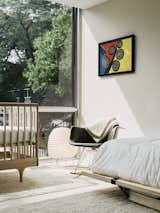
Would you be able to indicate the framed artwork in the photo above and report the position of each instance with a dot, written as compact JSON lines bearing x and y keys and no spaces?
{"x":117,"y":56}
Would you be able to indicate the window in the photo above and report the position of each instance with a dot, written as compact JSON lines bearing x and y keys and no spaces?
{"x":37,"y":39}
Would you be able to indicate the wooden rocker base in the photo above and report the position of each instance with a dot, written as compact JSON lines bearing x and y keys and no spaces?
{"x":138,"y":193}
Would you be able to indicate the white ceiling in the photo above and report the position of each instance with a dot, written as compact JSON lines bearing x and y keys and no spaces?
{"x":83,"y":4}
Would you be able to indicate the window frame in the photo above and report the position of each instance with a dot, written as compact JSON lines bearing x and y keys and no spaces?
{"x":74,"y":55}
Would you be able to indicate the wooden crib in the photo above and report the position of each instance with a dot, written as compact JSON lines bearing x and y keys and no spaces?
{"x":18,"y":136}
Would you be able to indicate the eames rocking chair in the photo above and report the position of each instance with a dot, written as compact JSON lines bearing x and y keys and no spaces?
{"x":81,"y":138}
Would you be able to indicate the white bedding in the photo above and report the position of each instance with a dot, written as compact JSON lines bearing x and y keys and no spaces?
{"x":14,"y":134}
{"x":133,"y":159}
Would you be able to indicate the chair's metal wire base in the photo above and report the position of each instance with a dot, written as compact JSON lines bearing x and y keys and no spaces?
{"x":80,"y":159}
{"x":81,"y":151}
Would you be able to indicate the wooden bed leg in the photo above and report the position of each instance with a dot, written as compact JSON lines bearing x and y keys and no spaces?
{"x":21,"y":170}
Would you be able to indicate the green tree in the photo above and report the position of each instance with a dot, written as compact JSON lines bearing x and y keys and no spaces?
{"x":52,"y":58}
{"x":21,"y":22}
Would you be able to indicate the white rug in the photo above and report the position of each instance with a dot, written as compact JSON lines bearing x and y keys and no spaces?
{"x":55,"y":190}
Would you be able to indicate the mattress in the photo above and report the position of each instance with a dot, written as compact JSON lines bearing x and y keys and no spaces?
{"x":133,"y":159}
{"x":15,"y":134}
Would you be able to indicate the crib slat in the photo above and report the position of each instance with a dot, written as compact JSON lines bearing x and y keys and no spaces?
{"x":37,"y":132}
{"x":30,"y":131}
{"x":24,"y":132}
{"x":4,"y":133}
{"x":18,"y":145}
{"x":34,"y":131}
{"x":11,"y":132}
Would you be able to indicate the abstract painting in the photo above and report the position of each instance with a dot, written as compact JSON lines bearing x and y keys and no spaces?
{"x":117,"y":56}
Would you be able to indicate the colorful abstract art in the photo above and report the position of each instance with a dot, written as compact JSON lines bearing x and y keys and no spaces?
{"x":117,"y":56}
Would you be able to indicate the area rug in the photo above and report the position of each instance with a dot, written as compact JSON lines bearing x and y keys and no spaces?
{"x":54,"y":190}
{"x":99,"y":201}
{"x":43,"y":176}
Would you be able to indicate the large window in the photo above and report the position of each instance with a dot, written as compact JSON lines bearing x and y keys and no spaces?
{"x":36,"y":60}
{"x":36,"y":52}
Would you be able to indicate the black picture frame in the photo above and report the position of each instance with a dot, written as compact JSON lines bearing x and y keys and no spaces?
{"x":111,"y":56}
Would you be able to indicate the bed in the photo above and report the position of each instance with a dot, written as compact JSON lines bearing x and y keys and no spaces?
{"x":132,"y":164}
{"x":18,"y":136}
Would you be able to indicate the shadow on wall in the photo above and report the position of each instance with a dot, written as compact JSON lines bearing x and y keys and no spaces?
{"x":134,"y":98}
{"x":111,"y":103}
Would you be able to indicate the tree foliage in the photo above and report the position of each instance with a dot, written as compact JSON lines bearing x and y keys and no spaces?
{"x":52,"y":56}
{"x":26,"y":31}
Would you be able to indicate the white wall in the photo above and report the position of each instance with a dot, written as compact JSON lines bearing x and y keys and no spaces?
{"x":133,"y":98}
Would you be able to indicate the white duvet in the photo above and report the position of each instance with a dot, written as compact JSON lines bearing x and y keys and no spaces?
{"x":134,"y":159}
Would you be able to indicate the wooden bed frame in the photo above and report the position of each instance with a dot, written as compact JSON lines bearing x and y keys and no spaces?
{"x":138,"y":193}
{"x":23,"y":152}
